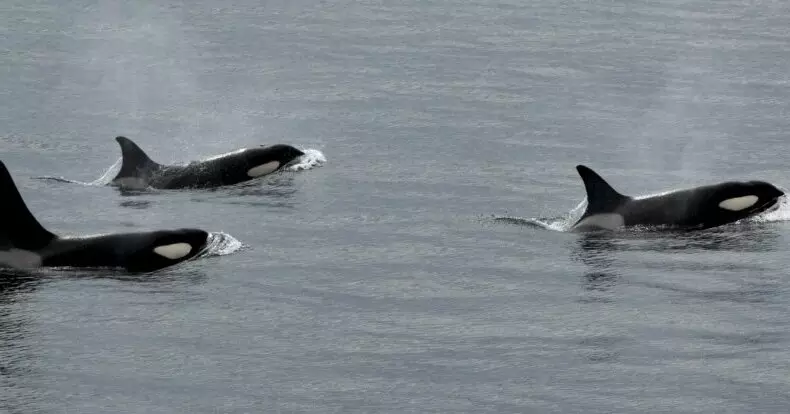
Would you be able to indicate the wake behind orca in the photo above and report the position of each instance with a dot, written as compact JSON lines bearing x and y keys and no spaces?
{"x":139,"y":171}
{"x":692,"y":209}
{"x":25,"y":243}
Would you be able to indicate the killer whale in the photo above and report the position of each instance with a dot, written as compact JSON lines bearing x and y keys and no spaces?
{"x":26,"y":244}
{"x":139,"y":171}
{"x":693,"y":209}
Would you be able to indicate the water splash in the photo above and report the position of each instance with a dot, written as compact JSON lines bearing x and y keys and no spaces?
{"x":109,"y":174}
{"x":312,"y":158}
{"x":104,"y":179}
{"x":562,"y":223}
{"x":781,"y":212}
{"x":221,"y":244}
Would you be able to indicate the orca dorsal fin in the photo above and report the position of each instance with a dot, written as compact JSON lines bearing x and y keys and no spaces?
{"x":134,"y":161}
{"x":601,"y":197}
{"x":20,"y":229}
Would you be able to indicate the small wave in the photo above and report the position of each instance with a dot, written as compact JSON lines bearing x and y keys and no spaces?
{"x":555,"y":224}
{"x":561,"y":223}
{"x":59,"y":179}
{"x":101,"y":181}
{"x":312,"y":158}
{"x":108,"y":175}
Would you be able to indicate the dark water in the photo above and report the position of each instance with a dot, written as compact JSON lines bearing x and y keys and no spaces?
{"x":379,"y":282}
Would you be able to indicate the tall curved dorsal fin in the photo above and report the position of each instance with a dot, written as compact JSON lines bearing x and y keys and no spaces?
{"x":19,"y":227}
{"x":601,"y":197}
{"x":134,"y":160}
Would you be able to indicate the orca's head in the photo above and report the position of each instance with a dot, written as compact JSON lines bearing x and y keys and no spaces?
{"x":165,"y":248}
{"x":284,"y":153}
{"x":266,"y":160}
{"x":734,"y":201}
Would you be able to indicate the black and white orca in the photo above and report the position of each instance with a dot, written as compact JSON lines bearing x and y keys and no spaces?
{"x":139,"y":171}
{"x":695,"y":208}
{"x":26,"y":244}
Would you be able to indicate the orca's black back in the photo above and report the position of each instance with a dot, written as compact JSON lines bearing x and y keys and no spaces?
{"x":678,"y":208}
{"x":228,"y":170}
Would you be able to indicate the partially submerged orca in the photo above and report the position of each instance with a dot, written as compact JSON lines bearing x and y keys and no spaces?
{"x":139,"y":171}
{"x":25,"y":243}
{"x":695,"y":208}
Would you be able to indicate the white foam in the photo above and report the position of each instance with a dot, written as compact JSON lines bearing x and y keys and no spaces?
{"x":562,"y":223}
{"x":312,"y":158}
{"x":221,"y":244}
{"x":105,"y":179}
{"x":108,"y":175}
{"x":779,"y":212}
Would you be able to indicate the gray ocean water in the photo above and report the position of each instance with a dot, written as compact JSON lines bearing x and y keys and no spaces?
{"x":379,"y":282}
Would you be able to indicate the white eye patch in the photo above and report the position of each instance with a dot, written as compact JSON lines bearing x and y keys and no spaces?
{"x":739,"y":203}
{"x":263,"y":169}
{"x":173,"y":251}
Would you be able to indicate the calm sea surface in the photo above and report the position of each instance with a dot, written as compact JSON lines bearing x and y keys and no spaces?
{"x":379,"y":282}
